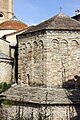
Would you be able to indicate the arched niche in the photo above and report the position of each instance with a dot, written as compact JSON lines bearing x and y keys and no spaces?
{"x":29,"y":51}
{"x":55,"y":44}
{"x":29,"y":47}
{"x":41,"y":44}
{"x":35,"y":51}
{"x":75,"y":57}
{"x":35,"y":44}
{"x":64,"y":43}
{"x":40,"y":48}
{"x":74,"y":44}
{"x":41,"y":60}
{"x":64,"y":46}
{"x":22,"y":49}
{"x":63,"y":59}
{"x":75,"y":52}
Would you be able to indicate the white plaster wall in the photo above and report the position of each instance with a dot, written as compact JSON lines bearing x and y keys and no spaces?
{"x":5,"y":72}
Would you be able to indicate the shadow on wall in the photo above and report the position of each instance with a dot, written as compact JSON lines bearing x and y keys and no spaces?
{"x":72,"y":83}
{"x":73,"y":88}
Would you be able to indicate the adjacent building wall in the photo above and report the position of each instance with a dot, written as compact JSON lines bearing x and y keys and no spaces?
{"x":6,"y":62}
{"x":6,"y":71}
{"x":4,"y":47}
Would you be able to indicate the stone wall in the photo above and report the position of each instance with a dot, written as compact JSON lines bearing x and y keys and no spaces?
{"x":49,"y":59}
{"x":63,"y":57}
{"x":40,"y":112}
{"x":36,"y":103}
{"x":31,"y":57}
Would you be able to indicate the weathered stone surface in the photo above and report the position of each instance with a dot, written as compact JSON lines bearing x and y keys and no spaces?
{"x":41,"y":112}
{"x":42,"y":95}
{"x":42,"y":103}
{"x":51,"y":59}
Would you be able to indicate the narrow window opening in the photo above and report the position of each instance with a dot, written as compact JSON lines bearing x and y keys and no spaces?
{"x":28,"y":78}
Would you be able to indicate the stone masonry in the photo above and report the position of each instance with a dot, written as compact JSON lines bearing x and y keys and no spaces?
{"x":49,"y":59}
{"x":48,"y":72}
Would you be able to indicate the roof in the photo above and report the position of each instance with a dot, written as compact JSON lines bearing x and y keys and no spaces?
{"x":12,"y":25}
{"x":77,"y":17}
{"x":38,"y":95}
{"x":58,"y":22}
{"x":14,"y":18}
{"x":19,"y":31}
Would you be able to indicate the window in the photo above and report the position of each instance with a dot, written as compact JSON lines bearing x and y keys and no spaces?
{"x":28,"y":78}
{"x":1,"y":15}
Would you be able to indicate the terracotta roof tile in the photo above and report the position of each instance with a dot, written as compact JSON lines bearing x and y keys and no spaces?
{"x":12,"y":25}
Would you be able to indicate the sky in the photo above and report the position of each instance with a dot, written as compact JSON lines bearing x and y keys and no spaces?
{"x":33,"y":12}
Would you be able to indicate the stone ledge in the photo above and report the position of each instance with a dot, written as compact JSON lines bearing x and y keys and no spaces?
{"x":38,"y":95}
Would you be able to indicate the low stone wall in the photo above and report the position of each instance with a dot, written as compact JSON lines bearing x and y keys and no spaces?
{"x":39,"y":112}
{"x":34,"y":103}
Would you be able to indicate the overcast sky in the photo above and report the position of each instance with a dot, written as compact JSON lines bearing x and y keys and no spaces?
{"x":35,"y":11}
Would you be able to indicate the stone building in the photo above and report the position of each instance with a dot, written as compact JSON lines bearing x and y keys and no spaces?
{"x":47,"y":57}
{"x":49,"y":53}
{"x":48,"y":71}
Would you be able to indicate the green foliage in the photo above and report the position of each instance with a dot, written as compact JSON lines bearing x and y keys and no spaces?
{"x":4,"y":86}
{"x":7,"y":102}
